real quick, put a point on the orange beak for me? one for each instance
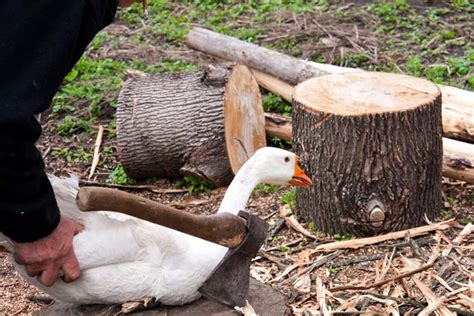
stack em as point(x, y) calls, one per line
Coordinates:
point(299, 178)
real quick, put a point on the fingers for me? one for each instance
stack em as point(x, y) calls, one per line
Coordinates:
point(33, 269)
point(71, 269)
point(49, 276)
point(18, 259)
point(78, 228)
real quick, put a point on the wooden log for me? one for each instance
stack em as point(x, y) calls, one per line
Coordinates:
point(458, 160)
point(173, 124)
point(458, 157)
point(458, 116)
point(373, 147)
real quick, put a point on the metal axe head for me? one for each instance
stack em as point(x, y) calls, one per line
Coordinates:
point(229, 282)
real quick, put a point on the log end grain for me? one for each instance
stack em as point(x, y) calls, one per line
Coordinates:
point(244, 120)
point(365, 93)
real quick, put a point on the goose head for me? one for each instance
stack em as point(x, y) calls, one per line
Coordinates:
point(268, 165)
point(276, 166)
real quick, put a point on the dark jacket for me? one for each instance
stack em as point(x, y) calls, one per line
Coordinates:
point(40, 41)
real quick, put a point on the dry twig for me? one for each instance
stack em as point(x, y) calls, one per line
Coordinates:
point(95, 159)
point(361, 242)
point(377, 284)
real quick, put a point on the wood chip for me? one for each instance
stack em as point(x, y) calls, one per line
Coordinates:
point(434, 302)
point(247, 310)
point(303, 283)
point(321, 296)
point(292, 222)
point(98, 142)
point(467, 231)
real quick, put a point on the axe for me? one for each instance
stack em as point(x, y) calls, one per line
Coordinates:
point(243, 234)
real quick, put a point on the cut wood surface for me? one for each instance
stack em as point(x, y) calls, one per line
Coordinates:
point(458, 104)
point(458, 156)
point(173, 124)
point(244, 121)
point(373, 147)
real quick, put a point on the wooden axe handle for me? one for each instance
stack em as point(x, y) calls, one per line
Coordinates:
point(223, 228)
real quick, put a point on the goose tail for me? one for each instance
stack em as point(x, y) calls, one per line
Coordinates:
point(65, 191)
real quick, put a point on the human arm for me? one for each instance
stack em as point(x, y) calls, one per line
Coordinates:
point(43, 41)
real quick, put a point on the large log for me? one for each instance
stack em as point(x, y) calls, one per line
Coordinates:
point(202, 123)
point(458, 157)
point(373, 147)
point(458, 116)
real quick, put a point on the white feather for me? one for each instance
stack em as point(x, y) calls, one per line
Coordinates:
point(123, 258)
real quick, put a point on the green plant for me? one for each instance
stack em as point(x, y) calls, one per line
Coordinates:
point(413, 66)
point(446, 214)
point(196, 184)
point(465, 219)
point(289, 198)
point(342, 236)
point(119, 176)
point(274, 103)
point(274, 238)
point(282, 248)
point(267, 188)
point(332, 270)
point(71, 124)
point(451, 200)
point(280, 143)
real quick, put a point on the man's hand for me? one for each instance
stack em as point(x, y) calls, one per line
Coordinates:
point(46, 257)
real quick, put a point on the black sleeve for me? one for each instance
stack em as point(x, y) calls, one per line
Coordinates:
point(40, 41)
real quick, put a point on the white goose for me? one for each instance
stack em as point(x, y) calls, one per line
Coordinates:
point(123, 258)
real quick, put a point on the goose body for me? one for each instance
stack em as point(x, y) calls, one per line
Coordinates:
point(123, 258)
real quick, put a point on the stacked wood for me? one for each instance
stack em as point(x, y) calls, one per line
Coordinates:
point(458, 117)
point(203, 123)
point(278, 73)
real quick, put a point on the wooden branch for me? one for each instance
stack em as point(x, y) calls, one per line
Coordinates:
point(95, 159)
point(361, 242)
point(377, 284)
point(458, 117)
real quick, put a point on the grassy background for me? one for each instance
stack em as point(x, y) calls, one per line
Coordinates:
point(430, 39)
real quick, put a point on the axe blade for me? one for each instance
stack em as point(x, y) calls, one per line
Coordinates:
point(229, 282)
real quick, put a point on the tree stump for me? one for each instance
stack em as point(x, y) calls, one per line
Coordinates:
point(372, 144)
point(204, 123)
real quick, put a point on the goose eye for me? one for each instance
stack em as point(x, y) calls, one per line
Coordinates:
point(287, 159)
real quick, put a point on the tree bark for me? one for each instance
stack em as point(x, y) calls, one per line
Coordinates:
point(173, 124)
point(458, 117)
point(373, 147)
